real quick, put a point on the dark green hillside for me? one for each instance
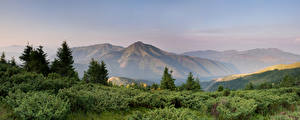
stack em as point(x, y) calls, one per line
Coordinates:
point(274, 76)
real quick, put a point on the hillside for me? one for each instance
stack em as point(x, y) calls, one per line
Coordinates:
point(143, 61)
point(270, 74)
point(250, 60)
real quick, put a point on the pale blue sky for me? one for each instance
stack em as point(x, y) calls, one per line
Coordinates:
point(174, 25)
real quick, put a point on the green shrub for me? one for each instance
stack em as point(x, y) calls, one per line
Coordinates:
point(235, 108)
point(37, 105)
point(167, 114)
point(96, 98)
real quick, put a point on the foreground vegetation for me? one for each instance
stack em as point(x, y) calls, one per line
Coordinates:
point(31, 93)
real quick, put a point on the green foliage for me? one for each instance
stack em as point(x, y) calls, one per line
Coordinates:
point(226, 92)
point(167, 82)
point(37, 105)
point(96, 73)
point(63, 64)
point(35, 60)
point(235, 108)
point(167, 114)
point(249, 86)
point(191, 83)
point(96, 98)
point(220, 88)
point(2, 58)
point(154, 86)
point(287, 81)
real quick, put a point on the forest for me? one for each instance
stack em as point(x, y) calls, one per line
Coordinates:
point(42, 90)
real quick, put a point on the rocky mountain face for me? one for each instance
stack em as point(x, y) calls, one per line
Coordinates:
point(249, 60)
point(147, 62)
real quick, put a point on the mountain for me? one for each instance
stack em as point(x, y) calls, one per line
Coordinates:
point(269, 74)
point(147, 62)
point(249, 60)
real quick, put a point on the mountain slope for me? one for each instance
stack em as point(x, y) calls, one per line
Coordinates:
point(143, 61)
point(249, 60)
point(270, 74)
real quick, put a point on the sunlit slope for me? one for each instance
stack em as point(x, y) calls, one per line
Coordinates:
point(270, 74)
point(274, 67)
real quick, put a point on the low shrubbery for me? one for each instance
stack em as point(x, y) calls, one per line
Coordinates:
point(167, 114)
point(37, 105)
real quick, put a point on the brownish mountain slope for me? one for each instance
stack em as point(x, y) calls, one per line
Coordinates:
point(146, 62)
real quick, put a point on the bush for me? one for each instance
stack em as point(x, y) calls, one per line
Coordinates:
point(37, 105)
point(166, 114)
point(96, 98)
point(235, 108)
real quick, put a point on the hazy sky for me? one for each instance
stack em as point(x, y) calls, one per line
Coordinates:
point(173, 25)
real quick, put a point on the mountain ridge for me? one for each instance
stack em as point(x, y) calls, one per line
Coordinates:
point(249, 60)
point(144, 61)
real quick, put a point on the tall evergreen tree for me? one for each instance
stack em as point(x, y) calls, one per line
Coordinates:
point(63, 64)
point(191, 83)
point(96, 73)
point(2, 58)
point(249, 86)
point(35, 60)
point(167, 82)
point(197, 85)
point(13, 62)
point(104, 72)
point(40, 64)
point(25, 57)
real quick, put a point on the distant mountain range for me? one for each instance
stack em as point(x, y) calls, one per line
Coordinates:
point(249, 60)
point(146, 62)
point(269, 74)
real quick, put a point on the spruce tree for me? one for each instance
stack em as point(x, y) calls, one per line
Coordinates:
point(220, 88)
point(104, 73)
point(13, 62)
point(63, 64)
point(197, 85)
point(35, 60)
point(96, 73)
point(249, 86)
point(25, 57)
point(40, 59)
point(167, 82)
point(189, 82)
point(2, 58)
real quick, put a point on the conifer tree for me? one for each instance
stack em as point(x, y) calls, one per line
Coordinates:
point(220, 88)
point(2, 58)
point(197, 85)
point(189, 82)
point(249, 86)
point(63, 64)
point(167, 81)
point(104, 72)
point(96, 73)
point(39, 61)
point(13, 62)
point(25, 57)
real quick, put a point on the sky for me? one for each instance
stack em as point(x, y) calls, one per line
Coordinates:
point(173, 25)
